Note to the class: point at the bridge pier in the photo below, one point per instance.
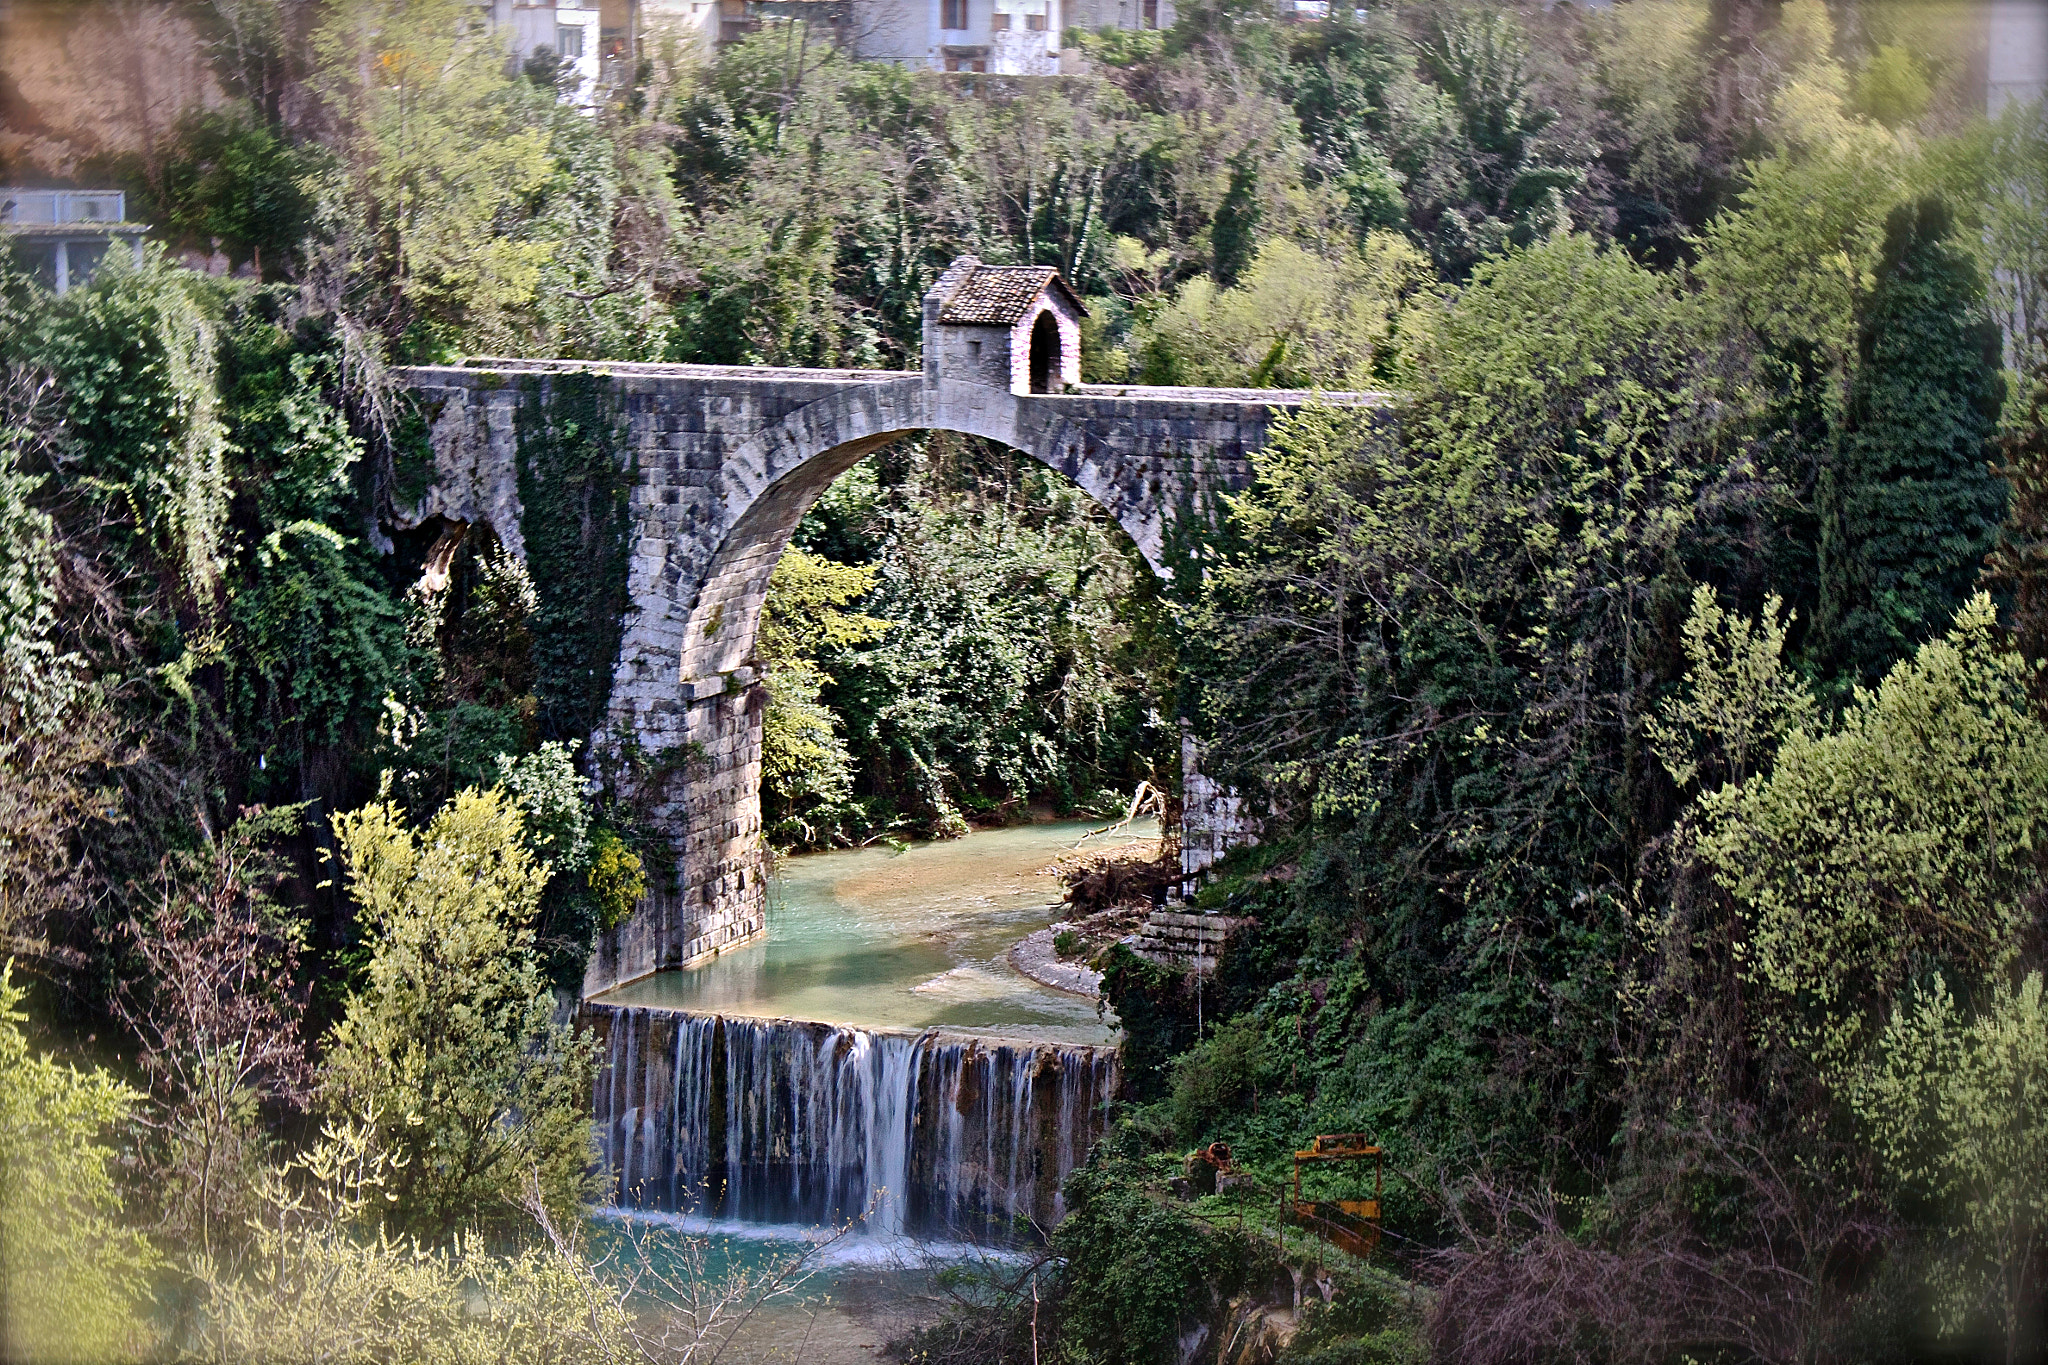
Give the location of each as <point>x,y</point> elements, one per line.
<point>726,460</point>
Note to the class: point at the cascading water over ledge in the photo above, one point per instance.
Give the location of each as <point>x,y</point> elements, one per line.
<point>781,1121</point>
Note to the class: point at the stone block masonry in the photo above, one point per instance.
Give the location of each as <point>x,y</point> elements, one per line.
<point>729,459</point>
<point>1185,943</point>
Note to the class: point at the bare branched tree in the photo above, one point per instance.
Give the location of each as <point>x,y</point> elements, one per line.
<point>218,1013</point>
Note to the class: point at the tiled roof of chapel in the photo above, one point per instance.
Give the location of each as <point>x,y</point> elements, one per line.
<point>1000,295</point>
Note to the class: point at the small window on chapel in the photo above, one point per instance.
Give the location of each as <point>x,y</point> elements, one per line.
<point>999,22</point>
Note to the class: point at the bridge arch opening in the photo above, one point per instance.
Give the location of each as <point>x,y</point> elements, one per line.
<point>718,805</point>
<point>1045,352</point>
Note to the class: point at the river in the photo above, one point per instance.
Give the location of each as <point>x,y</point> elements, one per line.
<point>875,1062</point>
<point>889,939</point>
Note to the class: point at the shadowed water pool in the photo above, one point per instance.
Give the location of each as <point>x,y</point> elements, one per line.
<point>888,939</point>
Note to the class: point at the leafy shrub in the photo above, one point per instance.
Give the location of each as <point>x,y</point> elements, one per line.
<point>1221,1076</point>
<point>1139,1270</point>
<point>617,878</point>
<point>72,1276</point>
<point>452,1036</point>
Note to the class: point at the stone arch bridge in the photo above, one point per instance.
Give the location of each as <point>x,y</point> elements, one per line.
<point>728,460</point>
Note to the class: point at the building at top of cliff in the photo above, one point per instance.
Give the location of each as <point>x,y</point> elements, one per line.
<point>59,236</point>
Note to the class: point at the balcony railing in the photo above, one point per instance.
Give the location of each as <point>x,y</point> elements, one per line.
<point>53,207</point>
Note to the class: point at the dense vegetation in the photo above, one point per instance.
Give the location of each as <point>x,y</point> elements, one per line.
<point>1650,719</point>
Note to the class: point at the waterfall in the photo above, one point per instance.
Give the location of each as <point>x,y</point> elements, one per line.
<point>779,1121</point>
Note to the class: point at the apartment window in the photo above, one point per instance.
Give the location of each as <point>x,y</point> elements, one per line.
<point>953,13</point>
<point>999,23</point>
<point>1035,22</point>
<point>569,43</point>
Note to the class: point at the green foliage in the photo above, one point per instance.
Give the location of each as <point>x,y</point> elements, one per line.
<point>1430,644</point>
<point>1914,505</point>
<point>1891,88</point>
<point>1294,320</point>
<point>317,639</point>
<point>556,803</point>
<point>1905,838</point>
<point>1220,1076</point>
<point>2012,187</point>
<point>55,731</point>
<point>550,796</point>
<point>235,185</point>
<point>2018,567</point>
<point>451,1038</point>
<point>440,164</point>
<point>1456,647</point>
<point>806,771</point>
<point>75,1278</point>
<point>1517,172</point>
<point>1233,235</point>
<point>806,614</point>
<point>1020,660</point>
<point>132,353</point>
<point>1955,1107</point>
<point>1791,262</point>
<point>1138,1271</point>
<point>1156,1021</point>
<point>463,693</point>
<point>574,479</point>
<point>326,1279</point>
<point>616,878</point>
<point>1738,701</point>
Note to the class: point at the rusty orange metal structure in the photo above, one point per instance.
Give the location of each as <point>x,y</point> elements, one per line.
<point>1353,1224</point>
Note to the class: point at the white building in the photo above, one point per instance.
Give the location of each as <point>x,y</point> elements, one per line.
<point>1001,37</point>
<point>2016,53</point>
<point>570,30</point>
<point>605,38</point>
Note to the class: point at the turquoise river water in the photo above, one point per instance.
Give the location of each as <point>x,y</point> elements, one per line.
<point>909,939</point>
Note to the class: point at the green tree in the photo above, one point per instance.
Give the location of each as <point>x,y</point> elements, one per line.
<point>1906,837</point>
<point>2019,566</point>
<point>439,162</point>
<point>1517,172</point>
<point>1891,88</point>
<point>325,1279</point>
<point>1958,1108</point>
<point>235,185</point>
<point>806,770</point>
<point>57,737</point>
<point>316,640</point>
<point>1432,643</point>
<point>1294,320</point>
<point>1912,505</point>
<point>73,1279</point>
<point>1234,233</point>
<point>1138,1271</point>
<point>451,1038</point>
<point>1012,669</point>
<point>1739,699</point>
<point>133,353</point>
